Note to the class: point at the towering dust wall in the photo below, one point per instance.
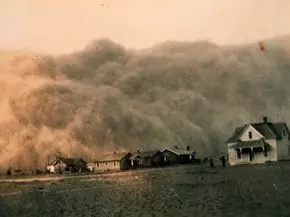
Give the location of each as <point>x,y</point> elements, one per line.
<point>105,97</point>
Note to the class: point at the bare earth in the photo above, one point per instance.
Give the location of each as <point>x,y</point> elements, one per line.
<point>178,191</point>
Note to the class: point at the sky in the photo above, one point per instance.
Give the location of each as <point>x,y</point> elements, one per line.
<point>61,26</point>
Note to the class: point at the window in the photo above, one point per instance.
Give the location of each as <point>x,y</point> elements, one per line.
<point>238,153</point>
<point>114,163</point>
<point>98,164</point>
<point>250,135</point>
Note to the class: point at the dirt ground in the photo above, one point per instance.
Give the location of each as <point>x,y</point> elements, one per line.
<point>261,190</point>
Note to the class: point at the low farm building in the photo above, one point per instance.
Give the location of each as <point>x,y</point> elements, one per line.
<point>111,161</point>
<point>177,155</point>
<point>146,159</point>
<point>65,165</point>
<point>259,142</point>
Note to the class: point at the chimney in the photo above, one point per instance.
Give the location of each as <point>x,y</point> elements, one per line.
<point>265,119</point>
<point>187,148</point>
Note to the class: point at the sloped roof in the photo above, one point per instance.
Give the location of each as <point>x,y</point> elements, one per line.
<point>178,151</point>
<point>112,156</point>
<point>267,129</point>
<point>149,153</point>
<point>278,129</point>
<point>144,154</point>
<point>135,155</point>
<point>248,144</point>
<point>69,161</point>
<point>237,133</point>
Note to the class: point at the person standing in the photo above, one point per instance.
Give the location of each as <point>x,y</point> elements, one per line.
<point>223,160</point>
<point>211,164</point>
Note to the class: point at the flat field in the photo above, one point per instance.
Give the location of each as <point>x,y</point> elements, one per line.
<point>261,190</point>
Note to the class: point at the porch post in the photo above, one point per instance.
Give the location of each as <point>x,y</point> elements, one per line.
<point>252,153</point>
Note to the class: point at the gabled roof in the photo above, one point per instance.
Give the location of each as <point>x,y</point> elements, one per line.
<point>135,155</point>
<point>237,133</point>
<point>178,151</point>
<point>267,129</point>
<point>112,156</point>
<point>144,154</point>
<point>69,161</point>
<point>149,153</point>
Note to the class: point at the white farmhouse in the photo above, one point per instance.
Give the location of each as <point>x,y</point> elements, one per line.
<point>259,142</point>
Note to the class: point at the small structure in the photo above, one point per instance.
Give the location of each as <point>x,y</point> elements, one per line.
<point>15,172</point>
<point>259,142</point>
<point>91,167</point>
<point>146,159</point>
<point>67,165</point>
<point>177,155</point>
<point>111,161</point>
<point>136,160</point>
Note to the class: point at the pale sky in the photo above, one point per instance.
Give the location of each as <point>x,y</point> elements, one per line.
<point>58,26</point>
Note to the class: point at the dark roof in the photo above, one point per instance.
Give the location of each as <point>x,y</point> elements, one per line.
<point>144,154</point>
<point>248,144</point>
<point>149,153</point>
<point>265,130</point>
<point>238,132</point>
<point>278,129</point>
<point>178,151</point>
<point>268,130</point>
<point>69,161</point>
<point>112,156</point>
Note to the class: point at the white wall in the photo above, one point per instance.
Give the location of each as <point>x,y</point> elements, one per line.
<point>272,153</point>
<point>232,155</point>
<point>282,149</point>
<point>51,168</point>
<point>255,134</point>
<point>258,157</point>
<point>110,165</point>
<point>91,167</point>
<point>55,168</point>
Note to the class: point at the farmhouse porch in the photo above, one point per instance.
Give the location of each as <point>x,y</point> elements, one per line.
<point>251,151</point>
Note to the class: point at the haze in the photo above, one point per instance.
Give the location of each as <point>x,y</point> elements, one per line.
<point>64,26</point>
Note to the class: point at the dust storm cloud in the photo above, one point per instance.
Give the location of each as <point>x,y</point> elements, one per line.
<point>107,97</point>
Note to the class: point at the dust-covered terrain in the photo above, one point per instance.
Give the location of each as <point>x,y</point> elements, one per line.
<point>261,190</point>
<point>106,97</point>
